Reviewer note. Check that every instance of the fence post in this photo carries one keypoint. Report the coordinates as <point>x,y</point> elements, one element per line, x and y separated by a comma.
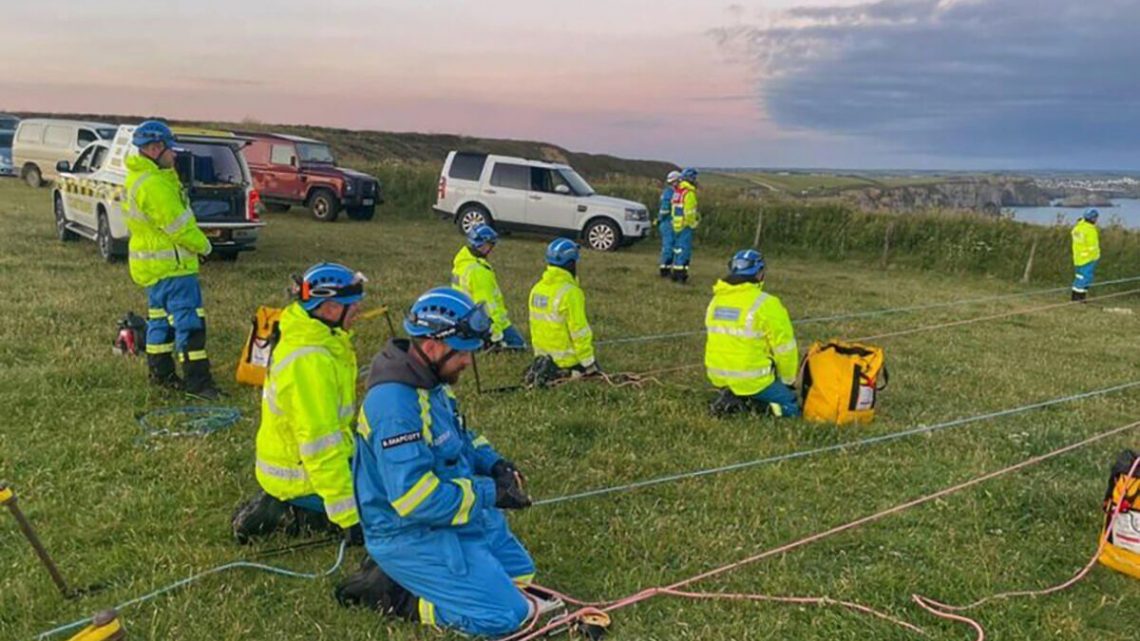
<point>1029,263</point>
<point>759,226</point>
<point>887,243</point>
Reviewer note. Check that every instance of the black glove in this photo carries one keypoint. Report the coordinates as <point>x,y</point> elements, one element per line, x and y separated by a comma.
<point>509,492</point>
<point>354,535</point>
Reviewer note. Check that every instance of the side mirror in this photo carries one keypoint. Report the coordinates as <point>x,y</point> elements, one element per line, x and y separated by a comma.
<point>63,166</point>
<point>292,161</point>
<point>562,189</point>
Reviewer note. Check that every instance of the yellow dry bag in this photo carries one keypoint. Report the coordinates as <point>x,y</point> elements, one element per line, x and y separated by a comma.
<point>254,361</point>
<point>841,381</point>
<point>1122,550</point>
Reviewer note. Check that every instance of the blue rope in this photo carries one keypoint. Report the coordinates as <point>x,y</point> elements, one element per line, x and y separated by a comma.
<point>872,312</point>
<point>201,575</point>
<point>187,421</point>
<point>837,447</point>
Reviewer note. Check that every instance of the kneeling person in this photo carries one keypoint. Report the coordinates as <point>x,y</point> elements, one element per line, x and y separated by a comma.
<point>559,329</point>
<point>305,440</point>
<point>429,489</point>
<point>751,351</point>
<point>472,274</point>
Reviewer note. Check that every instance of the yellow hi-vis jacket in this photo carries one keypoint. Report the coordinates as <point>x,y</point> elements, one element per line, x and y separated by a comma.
<point>750,339</point>
<point>165,239</point>
<point>685,212</point>
<point>1086,243</point>
<point>558,324</point>
<point>474,276</point>
<point>305,441</point>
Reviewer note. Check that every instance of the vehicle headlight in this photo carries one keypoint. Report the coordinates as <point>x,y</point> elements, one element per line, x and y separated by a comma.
<point>349,186</point>
<point>636,214</point>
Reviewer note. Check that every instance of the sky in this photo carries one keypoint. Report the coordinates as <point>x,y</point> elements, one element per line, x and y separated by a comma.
<point>921,84</point>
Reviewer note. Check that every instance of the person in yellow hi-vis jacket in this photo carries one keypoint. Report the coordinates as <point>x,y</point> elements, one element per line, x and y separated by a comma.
<point>165,247</point>
<point>472,274</point>
<point>1086,253</point>
<point>685,218</point>
<point>561,334</point>
<point>305,440</point>
<point>750,354</point>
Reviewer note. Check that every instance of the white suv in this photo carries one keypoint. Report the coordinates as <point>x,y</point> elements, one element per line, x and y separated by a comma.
<point>531,195</point>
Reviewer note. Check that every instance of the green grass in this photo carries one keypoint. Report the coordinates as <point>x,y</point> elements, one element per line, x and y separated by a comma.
<point>136,517</point>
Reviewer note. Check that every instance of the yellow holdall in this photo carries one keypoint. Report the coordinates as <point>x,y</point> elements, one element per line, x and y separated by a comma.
<point>1122,550</point>
<point>254,362</point>
<point>840,382</point>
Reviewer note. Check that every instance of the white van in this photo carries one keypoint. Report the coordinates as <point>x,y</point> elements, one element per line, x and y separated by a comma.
<point>87,199</point>
<point>532,195</point>
<point>42,142</point>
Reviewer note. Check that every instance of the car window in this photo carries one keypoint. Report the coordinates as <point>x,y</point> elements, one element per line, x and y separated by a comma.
<point>466,166</point>
<point>106,133</point>
<point>86,137</point>
<point>5,139</point>
<point>315,152</point>
<point>511,176</point>
<point>57,136</point>
<point>83,162</point>
<point>31,133</point>
<point>97,159</point>
<point>214,164</point>
<point>281,154</point>
<point>546,180</point>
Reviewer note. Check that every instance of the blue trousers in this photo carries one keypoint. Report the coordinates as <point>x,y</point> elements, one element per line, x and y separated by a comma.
<point>310,502</point>
<point>683,248</point>
<point>780,398</point>
<point>1084,277</point>
<point>465,579</point>
<point>174,317</point>
<point>513,339</point>
<point>665,226</point>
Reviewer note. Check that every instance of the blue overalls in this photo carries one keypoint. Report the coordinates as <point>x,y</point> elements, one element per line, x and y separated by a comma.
<point>665,226</point>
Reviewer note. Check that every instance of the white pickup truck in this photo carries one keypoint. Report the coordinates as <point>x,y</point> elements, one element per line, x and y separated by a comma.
<point>87,197</point>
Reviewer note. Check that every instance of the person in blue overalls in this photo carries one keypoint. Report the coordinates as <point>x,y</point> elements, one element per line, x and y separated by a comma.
<point>429,490</point>
<point>665,224</point>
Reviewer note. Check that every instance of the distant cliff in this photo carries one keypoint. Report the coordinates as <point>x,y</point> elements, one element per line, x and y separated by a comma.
<point>986,195</point>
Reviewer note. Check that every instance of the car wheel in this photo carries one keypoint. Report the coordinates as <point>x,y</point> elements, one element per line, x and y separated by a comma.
<point>602,235</point>
<point>324,206</point>
<point>105,241</point>
<point>277,208</point>
<point>361,213</point>
<point>61,230</point>
<point>472,216</point>
<point>32,176</point>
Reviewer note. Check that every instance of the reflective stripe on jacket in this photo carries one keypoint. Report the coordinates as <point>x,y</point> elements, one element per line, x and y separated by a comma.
<point>165,238</point>
<point>474,276</point>
<point>558,324</point>
<point>1086,243</point>
<point>417,466</point>
<point>750,339</point>
<point>305,442</point>
<point>684,207</point>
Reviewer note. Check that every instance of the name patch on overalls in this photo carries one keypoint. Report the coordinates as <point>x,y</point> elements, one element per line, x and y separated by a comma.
<point>401,439</point>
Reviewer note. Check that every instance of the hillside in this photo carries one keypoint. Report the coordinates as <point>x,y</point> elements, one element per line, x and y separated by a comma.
<point>368,146</point>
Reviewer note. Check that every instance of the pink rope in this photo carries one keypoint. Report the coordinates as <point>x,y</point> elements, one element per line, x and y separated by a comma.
<point>675,588</point>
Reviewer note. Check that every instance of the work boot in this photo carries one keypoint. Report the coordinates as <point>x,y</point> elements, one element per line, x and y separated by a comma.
<point>162,373</point>
<point>260,516</point>
<point>199,383</point>
<point>370,587</point>
<point>665,271</point>
<point>680,275</point>
<point>1076,296</point>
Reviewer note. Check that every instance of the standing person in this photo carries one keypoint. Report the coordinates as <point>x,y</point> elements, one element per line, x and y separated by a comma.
<point>561,334</point>
<point>750,354</point>
<point>686,218</point>
<point>431,491</point>
<point>1086,253</point>
<point>472,274</point>
<point>665,223</point>
<point>305,440</point>
<point>165,248</point>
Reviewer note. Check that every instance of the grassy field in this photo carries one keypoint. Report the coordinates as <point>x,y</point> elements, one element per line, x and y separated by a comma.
<point>138,515</point>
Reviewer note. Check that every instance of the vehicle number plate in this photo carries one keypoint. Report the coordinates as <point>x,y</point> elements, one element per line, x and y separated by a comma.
<point>212,233</point>
<point>368,201</point>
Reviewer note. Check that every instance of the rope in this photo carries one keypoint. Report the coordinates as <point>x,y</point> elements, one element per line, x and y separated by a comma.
<point>874,440</point>
<point>875,312</point>
<point>675,588</point>
<point>186,421</point>
<point>201,575</point>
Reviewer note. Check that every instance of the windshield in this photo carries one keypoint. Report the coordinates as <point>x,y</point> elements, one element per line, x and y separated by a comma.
<point>315,152</point>
<point>5,139</point>
<point>106,133</point>
<point>577,183</point>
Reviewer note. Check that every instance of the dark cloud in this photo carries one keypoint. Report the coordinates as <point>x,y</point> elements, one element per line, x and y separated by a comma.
<point>1041,80</point>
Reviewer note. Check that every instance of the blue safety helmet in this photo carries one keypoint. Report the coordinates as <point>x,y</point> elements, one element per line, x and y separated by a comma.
<point>689,174</point>
<point>1091,214</point>
<point>480,235</point>
<point>153,131</point>
<point>451,316</point>
<point>746,262</point>
<point>561,252</point>
<point>329,281</point>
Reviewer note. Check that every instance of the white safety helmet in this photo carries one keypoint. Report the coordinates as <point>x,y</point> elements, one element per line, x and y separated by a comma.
<point>673,176</point>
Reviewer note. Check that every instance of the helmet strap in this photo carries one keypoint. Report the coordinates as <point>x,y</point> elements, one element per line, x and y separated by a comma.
<point>434,365</point>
